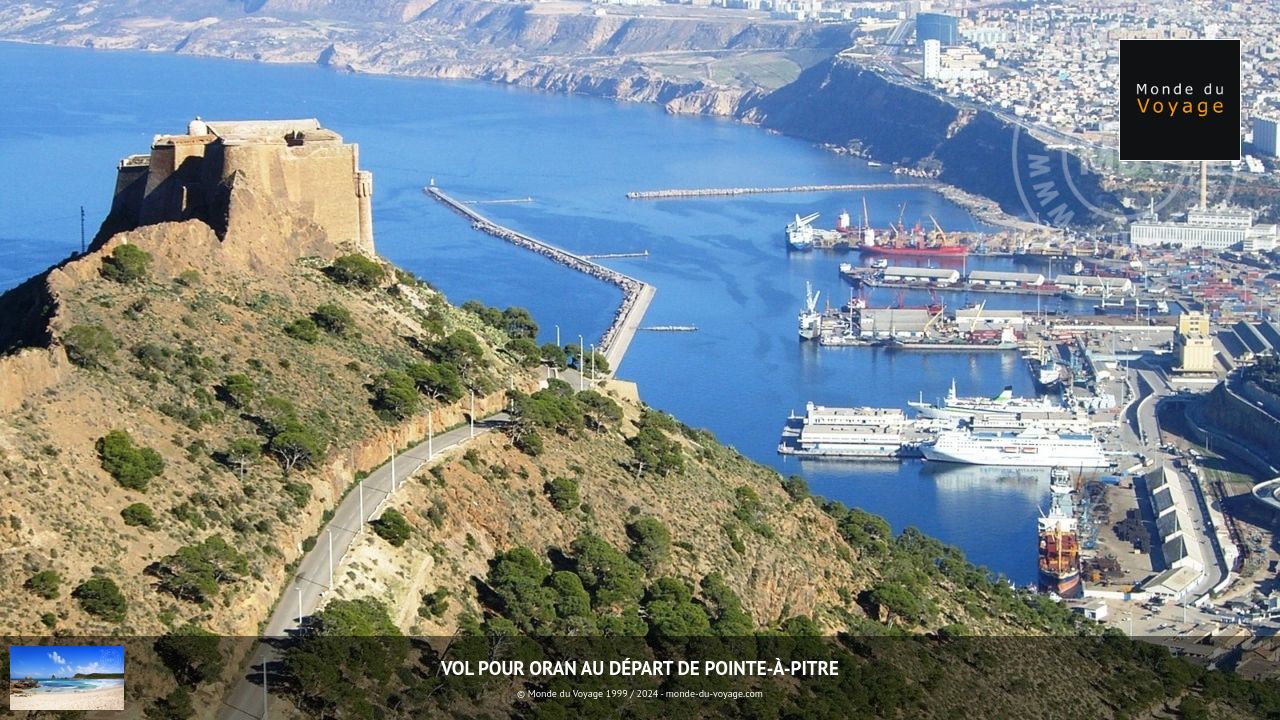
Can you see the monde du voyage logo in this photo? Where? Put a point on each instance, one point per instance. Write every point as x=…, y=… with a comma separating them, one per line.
x=1179, y=100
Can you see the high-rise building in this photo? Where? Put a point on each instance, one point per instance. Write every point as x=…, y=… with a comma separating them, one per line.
x=936, y=26
x=1194, y=344
x=1266, y=135
x=932, y=59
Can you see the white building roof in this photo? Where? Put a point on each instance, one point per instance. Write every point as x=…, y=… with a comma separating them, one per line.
x=1003, y=276
x=941, y=273
x=1093, y=281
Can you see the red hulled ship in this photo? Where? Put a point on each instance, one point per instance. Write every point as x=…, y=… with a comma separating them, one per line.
x=900, y=241
x=1059, y=541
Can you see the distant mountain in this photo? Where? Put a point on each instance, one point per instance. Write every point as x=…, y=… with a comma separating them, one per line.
x=839, y=102
x=612, y=51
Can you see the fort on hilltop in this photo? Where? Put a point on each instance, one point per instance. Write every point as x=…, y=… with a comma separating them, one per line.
x=191, y=176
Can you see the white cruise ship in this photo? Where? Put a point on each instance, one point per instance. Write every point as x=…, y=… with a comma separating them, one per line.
x=1035, y=447
x=858, y=432
x=965, y=408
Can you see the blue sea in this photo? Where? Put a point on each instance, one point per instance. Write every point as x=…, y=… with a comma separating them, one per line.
x=717, y=263
x=72, y=685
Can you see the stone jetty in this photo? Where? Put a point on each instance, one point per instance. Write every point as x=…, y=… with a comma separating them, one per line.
x=717, y=192
x=636, y=295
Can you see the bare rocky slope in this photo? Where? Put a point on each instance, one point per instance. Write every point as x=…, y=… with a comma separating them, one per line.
x=202, y=350
x=189, y=407
x=152, y=357
x=782, y=75
x=620, y=54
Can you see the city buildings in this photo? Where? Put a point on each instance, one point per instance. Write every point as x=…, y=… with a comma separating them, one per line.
x=1266, y=131
x=1055, y=64
x=932, y=59
x=1193, y=343
x=936, y=26
x=1212, y=229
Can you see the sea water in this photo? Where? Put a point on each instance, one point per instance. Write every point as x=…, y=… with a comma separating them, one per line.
x=73, y=685
x=718, y=263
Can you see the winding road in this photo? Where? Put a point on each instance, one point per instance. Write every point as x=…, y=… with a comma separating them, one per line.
x=301, y=599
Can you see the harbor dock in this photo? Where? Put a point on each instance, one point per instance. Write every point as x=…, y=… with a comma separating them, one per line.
x=507, y=201
x=721, y=192
x=601, y=256
x=636, y=295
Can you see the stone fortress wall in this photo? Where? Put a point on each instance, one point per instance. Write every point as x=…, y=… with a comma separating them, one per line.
x=190, y=176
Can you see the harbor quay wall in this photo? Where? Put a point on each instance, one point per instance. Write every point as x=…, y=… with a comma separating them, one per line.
x=635, y=293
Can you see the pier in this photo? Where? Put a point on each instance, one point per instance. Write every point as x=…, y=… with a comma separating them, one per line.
x=508, y=201
x=719, y=192
x=601, y=256
x=1047, y=291
x=636, y=295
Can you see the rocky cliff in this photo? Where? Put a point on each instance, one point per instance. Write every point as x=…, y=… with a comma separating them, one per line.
x=618, y=52
x=841, y=103
x=203, y=401
x=689, y=60
x=142, y=339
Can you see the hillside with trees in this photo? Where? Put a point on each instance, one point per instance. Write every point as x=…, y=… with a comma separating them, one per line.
x=183, y=411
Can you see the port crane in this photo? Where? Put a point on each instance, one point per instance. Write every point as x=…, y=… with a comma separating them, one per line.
x=973, y=322
x=868, y=235
x=932, y=319
x=946, y=241
x=811, y=298
x=804, y=221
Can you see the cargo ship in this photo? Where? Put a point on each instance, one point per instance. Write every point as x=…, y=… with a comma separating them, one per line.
x=800, y=232
x=1046, y=371
x=956, y=345
x=916, y=250
x=1033, y=447
x=902, y=242
x=1060, y=541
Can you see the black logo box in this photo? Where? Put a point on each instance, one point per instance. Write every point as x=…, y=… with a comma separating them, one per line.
x=1188, y=65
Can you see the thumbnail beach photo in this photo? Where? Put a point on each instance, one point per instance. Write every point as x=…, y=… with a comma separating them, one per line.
x=66, y=677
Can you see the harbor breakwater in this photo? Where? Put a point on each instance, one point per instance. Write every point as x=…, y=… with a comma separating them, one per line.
x=840, y=103
x=636, y=294
x=733, y=191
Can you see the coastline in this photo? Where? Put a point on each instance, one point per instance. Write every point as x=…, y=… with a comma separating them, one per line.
x=983, y=208
x=109, y=698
